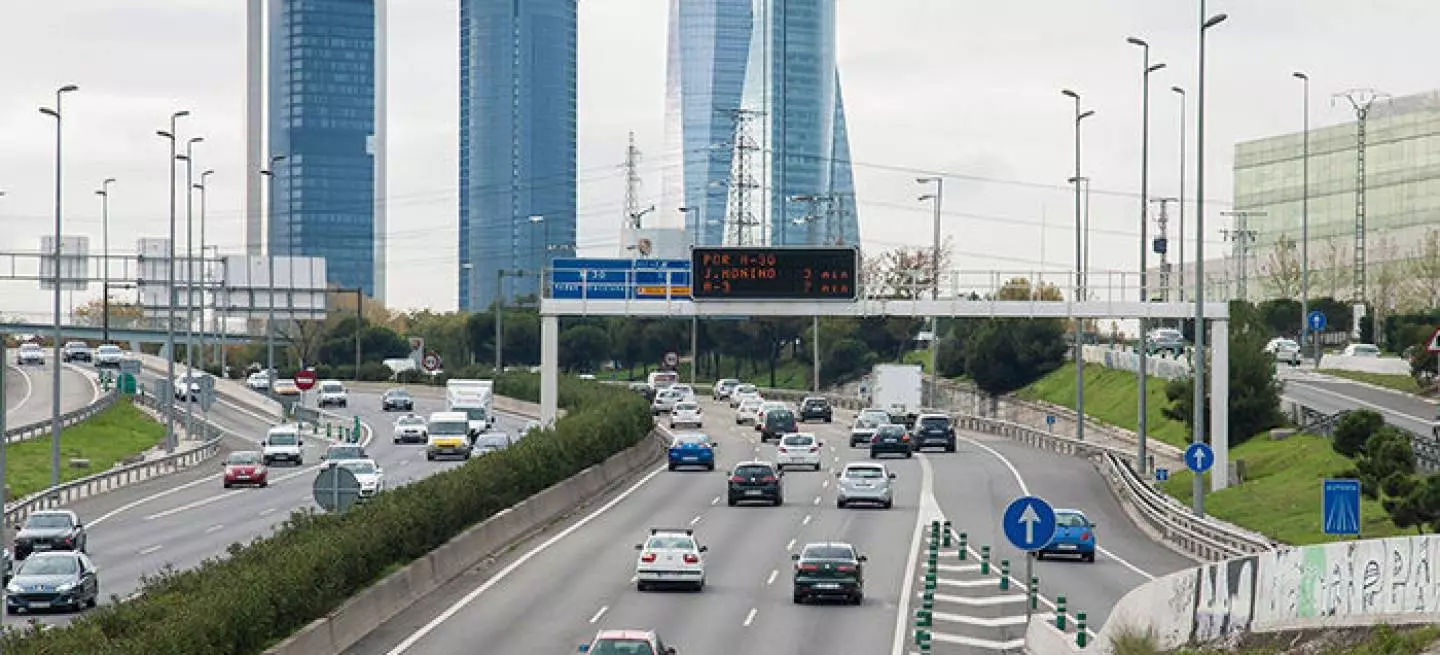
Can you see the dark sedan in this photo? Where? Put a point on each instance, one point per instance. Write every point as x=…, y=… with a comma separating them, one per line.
x=934, y=431
x=50, y=530
x=53, y=581
x=829, y=570
x=891, y=439
x=816, y=409
x=757, y=481
x=398, y=400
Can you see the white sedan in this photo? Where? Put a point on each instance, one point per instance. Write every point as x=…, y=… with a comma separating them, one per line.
x=686, y=413
x=798, y=449
x=670, y=557
x=369, y=474
x=748, y=411
x=743, y=391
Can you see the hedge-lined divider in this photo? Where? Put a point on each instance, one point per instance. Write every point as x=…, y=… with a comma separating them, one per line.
x=264, y=591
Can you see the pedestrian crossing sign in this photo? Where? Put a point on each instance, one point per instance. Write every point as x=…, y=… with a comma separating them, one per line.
x=1434, y=344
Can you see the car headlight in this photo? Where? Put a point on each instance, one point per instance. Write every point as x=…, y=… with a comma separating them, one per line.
x=13, y=588
x=65, y=588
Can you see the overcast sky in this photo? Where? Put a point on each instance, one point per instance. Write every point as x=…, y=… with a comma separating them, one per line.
x=968, y=88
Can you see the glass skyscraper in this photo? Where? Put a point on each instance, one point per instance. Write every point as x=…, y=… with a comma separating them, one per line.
x=322, y=101
x=517, y=144
x=775, y=58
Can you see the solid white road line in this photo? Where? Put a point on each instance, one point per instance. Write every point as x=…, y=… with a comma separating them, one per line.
x=979, y=601
x=715, y=500
x=599, y=613
x=267, y=511
x=188, y=506
x=771, y=580
x=929, y=507
x=151, y=549
x=29, y=389
x=970, y=584
x=987, y=644
x=454, y=609
x=958, y=568
x=750, y=618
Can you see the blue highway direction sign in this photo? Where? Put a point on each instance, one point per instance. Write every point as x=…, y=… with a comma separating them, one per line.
x=620, y=279
x=1199, y=457
x=1162, y=474
x=1340, y=507
x=1315, y=320
x=1029, y=523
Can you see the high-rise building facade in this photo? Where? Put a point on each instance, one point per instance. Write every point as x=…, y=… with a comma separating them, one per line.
x=323, y=118
x=775, y=58
x=517, y=144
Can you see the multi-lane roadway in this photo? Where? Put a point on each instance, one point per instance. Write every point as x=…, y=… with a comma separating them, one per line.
x=1331, y=394
x=553, y=595
x=27, y=391
x=183, y=519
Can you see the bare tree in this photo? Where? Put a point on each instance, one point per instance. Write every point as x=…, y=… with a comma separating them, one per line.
x=1426, y=268
x=906, y=272
x=1282, y=269
x=1385, y=279
x=1333, y=273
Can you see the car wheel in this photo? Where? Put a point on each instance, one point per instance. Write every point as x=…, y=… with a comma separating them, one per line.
x=227, y=485
x=641, y=586
x=888, y=504
x=710, y=466
x=672, y=425
x=700, y=586
x=950, y=448
x=817, y=466
x=1037, y=554
x=300, y=462
x=730, y=501
x=909, y=454
x=395, y=441
x=840, y=503
x=429, y=457
x=94, y=600
x=857, y=599
x=672, y=466
x=874, y=455
x=1090, y=557
x=798, y=598
x=827, y=419
x=779, y=501
x=264, y=484
x=267, y=461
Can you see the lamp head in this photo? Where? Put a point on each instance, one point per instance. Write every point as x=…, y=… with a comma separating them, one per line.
x=165, y=134
x=108, y=180
x=1214, y=20
x=180, y=114
x=1136, y=41
x=1085, y=115
x=50, y=112
x=1178, y=90
x=195, y=139
x=1301, y=76
x=1155, y=67
x=67, y=88
x=1069, y=93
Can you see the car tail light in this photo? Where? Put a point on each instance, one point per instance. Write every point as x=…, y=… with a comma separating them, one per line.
x=845, y=568
x=691, y=559
x=736, y=478
x=67, y=542
x=875, y=438
x=809, y=567
x=1084, y=536
x=647, y=557
x=769, y=478
x=905, y=438
x=814, y=449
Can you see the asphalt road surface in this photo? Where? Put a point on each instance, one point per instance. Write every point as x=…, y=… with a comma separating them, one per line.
x=553, y=596
x=28, y=391
x=181, y=520
x=1331, y=394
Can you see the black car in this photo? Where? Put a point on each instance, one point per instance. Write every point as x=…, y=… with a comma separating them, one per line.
x=398, y=400
x=934, y=431
x=816, y=408
x=54, y=581
x=829, y=570
x=890, y=439
x=758, y=481
x=778, y=423
x=56, y=529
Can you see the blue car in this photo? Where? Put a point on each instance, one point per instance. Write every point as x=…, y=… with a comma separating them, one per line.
x=1074, y=536
x=692, y=449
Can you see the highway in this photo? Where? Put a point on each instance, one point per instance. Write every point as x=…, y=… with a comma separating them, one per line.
x=27, y=391
x=1332, y=394
x=553, y=596
x=181, y=520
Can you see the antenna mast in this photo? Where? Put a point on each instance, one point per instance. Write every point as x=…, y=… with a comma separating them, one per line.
x=1361, y=100
x=1161, y=245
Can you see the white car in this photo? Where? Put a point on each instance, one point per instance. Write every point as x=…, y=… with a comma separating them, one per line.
x=257, y=381
x=723, y=387
x=686, y=391
x=369, y=474
x=108, y=355
x=491, y=442
x=1284, y=350
x=409, y=429
x=30, y=353
x=748, y=411
x=686, y=413
x=665, y=400
x=798, y=449
x=333, y=393
x=864, y=429
x=188, y=387
x=743, y=391
x=283, y=443
x=1361, y=350
x=864, y=482
x=670, y=557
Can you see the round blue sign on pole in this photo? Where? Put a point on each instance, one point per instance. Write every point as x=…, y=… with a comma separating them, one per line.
x=1049, y=419
x=1199, y=457
x=1316, y=320
x=1029, y=523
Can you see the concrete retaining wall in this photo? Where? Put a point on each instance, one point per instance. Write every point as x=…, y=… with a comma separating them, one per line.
x=1382, y=365
x=1341, y=584
x=1122, y=358
x=362, y=613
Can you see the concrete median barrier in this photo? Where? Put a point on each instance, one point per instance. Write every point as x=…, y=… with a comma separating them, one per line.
x=378, y=603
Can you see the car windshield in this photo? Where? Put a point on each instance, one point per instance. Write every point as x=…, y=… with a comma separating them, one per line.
x=867, y=422
x=661, y=542
x=360, y=466
x=48, y=521
x=475, y=414
x=493, y=440
x=109, y=349
x=753, y=470
x=815, y=402
x=864, y=472
x=332, y=387
x=30, y=347
x=343, y=452
x=283, y=439
x=621, y=647
x=448, y=428
x=243, y=459
x=412, y=420
x=51, y=565
x=1071, y=520
x=828, y=552
x=798, y=440
x=935, y=422
x=891, y=430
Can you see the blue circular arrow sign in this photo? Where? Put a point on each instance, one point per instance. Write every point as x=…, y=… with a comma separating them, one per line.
x=1316, y=320
x=1199, y=457
x=1029, y=523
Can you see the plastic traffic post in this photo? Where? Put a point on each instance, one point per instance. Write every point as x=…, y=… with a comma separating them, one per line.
x=984, y=560
x=922, y=618
x=355, y=432
x=329, y=431
x=946, y=534
x=1060, y=613
x=935, y=528
x=963, y=539
x=927, y=602
x=1080, y=629
x=922, y=637
x=1004, y=574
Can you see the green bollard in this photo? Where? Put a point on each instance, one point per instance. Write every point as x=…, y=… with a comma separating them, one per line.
x=1004, y=575
x=922, y=618
x=946, y=534
x=984, y=560
x=963, y=546
x=927, y=602
x=1034, y=593
x=1060, y=613
x=935, y=528
x=921, y=637
x=1080, y=636
x=329, y=431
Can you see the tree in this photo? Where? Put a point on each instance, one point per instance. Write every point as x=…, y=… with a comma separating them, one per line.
x=583, y=348
x=1353, y=431
x=1254, y=390
x=1282, y=270
x=906, y=271
x=1385, y=279
x=1281, y=315
x=1006, y=354
x=1333, y=273
x=1426, y=267
x=122, y=314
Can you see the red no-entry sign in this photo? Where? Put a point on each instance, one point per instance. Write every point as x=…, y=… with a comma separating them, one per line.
x=305, y=380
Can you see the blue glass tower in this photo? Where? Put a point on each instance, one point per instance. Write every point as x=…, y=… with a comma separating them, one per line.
x=322, y=118
x=517, y=144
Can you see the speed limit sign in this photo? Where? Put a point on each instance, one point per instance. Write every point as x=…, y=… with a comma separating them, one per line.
x=672, y=359
x=431, y=362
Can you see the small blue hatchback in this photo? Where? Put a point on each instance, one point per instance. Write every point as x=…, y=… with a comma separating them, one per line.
x=1074, y=536
x=692, y=449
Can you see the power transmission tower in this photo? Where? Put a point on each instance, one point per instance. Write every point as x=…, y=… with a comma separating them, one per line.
x=840, y=208
x=1242, y=236
x=1361, y=100
x=1162, y=244
x=631, y=221
x=742, y=183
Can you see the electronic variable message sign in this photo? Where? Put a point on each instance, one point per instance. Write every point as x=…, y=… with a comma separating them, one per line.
x=802, y=273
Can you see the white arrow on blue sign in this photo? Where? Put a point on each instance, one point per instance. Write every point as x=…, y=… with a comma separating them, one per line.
x=1199, y=457
x=1049, y=419
x=1316, y=320
x=1029, y=523
x=1162, y=474
x=1340, y=507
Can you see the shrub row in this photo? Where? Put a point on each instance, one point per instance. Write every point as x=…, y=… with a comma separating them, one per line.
x=267, y=589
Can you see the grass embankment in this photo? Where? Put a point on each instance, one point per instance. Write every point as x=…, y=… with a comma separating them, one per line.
x=1281, y=495
x=112, y=435
x=1403, y=383
x=1381, y=640
x=1110, y=397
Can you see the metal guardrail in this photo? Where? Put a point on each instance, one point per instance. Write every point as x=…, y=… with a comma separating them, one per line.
x=41, y=428
x=92, y=485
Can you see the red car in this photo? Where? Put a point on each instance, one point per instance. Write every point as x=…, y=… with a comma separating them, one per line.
x=246, y=467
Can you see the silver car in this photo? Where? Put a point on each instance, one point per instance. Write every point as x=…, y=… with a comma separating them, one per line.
x=865, y=482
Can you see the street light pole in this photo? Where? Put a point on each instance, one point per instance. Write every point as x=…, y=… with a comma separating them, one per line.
x=104, y=193
x=1181, y=92
x=270, y=373
x=1198, y=435
x=1305, y=224
x=189, y=158
x=200, y=186
x=938, y=198
x=55, y=383
x=1142, y=373
x=1079, y=274
x=171, y=443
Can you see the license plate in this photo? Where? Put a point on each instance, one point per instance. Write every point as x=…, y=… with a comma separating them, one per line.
x=890, y=440
x=753, y=492
x=242, y=477
x=1067, y=546
x=827, y=585
x=42, y=546
x=864, y=485
x=40, y=604
x=691, y=459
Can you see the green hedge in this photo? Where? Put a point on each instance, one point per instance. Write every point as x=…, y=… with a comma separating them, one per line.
x=268, y=589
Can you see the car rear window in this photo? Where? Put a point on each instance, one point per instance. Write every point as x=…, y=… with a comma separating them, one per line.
x=689, y=439
x=891, y=430
x=621, y=647
x=658, y=543
x=687, y=407
x=864, y=472
x=935, y=422
x=779, y=416
x=828, y=552
x=753, y=469
x=1070, y=520
x=815, y=402
x=799, y=440
x=282, y=439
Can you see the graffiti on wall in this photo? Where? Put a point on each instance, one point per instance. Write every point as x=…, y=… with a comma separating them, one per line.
x=1225, y=598
x=1337, y=580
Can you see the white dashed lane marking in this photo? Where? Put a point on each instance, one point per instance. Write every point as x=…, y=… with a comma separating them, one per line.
x=599, y=613
x=151, y=549
x=750, y=618
x=771, y=580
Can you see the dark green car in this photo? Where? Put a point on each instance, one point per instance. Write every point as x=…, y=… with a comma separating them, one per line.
x=829, y=570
